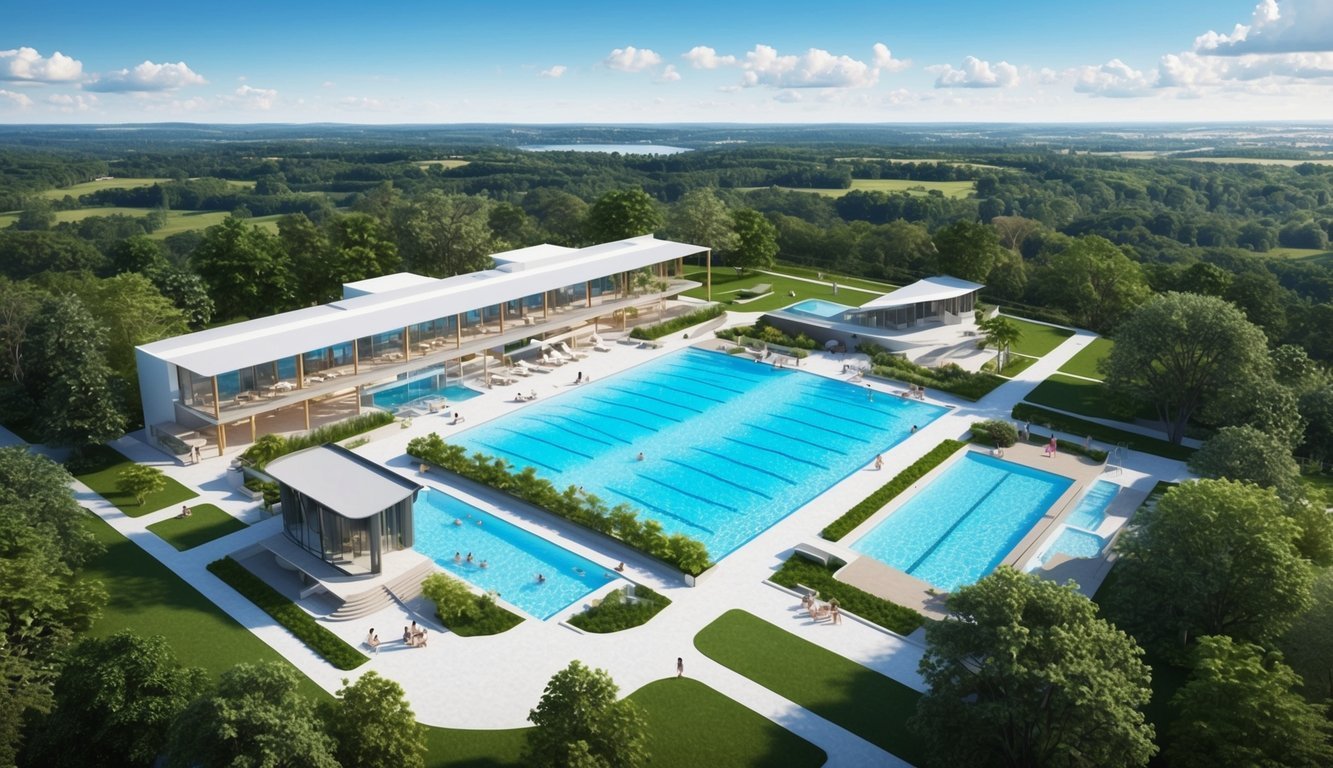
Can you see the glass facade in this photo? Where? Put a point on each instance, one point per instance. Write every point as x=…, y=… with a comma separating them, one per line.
x=353, y=545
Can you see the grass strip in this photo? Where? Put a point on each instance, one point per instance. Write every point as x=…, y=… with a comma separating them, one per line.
x=332, y=648
x=1037, y=339
x=1085, y=362
x=1110, y=435
x=100, y=468
x=868, y=704
x=886, y=613
x=615, y=613
x=885, y=493
x=205, y=523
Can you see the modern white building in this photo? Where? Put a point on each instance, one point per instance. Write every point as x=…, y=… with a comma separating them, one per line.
x=224, y=387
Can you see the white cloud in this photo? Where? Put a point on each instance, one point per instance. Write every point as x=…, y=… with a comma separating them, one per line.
x=81, y=102
x=816, y=68
x=11, y=99
x=669, y=75
x=1114, y=79
x=365, y=103
x=884, y=59
x=327, y=84
x=27, y=65
x=1293, y=26
x=975, y=73
x=631, y=59
x=703, y=57
x=147, y=77
x=256, y=98
x=554, y=71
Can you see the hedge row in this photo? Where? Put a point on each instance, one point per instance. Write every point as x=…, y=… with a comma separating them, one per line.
x=983, y=433
x=901, y=482
x=621, y=521
x=949, y=377
x=615, y=613
x=1100, y=432
x=887, y=614
x=768, y=334
x=271, y=446
x=301, y=624
x=677, y=323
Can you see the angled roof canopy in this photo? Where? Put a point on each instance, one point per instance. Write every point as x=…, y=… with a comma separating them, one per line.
x=936, y=288
x=342, y=481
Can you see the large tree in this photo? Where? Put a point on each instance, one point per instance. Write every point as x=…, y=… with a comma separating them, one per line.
x=256, y=717
x=966, y=249
x=442, y=235
x=1239, y=708
x=1308, y=644
x=374, y=725
x=699, y=217
x=114, y=702
x=245, y=268
x=756, y=241
x=307, y=249
x=1179, y=351
x=580, y=721
x=1247, y=454
x=1023, y=672
x=622, y=213
x=1094, y=281
x=1213, y=557
x=560, y=213
x=76, y=405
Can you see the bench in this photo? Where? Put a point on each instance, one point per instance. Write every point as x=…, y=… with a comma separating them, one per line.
x=754, y=291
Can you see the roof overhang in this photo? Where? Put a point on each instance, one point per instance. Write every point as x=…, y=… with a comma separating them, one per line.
x=342, y=481
x=937, y=288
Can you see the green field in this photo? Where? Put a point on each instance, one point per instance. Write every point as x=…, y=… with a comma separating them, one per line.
x=1037, y=339
x=446, y=164
x=1085, y=362
x=1316, y=255
x=1260, y=160
x=106, y=474
x=89, y=187
x=878, y=286
x=177, y=221
x=837, y=689
x=205, y=523
x=951, y=189
x=726, y=285
x=1075, y=395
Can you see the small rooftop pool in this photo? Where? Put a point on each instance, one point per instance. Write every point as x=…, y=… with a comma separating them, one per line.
x=818, y=308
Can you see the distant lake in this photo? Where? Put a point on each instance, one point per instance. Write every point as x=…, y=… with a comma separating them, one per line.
x=624, y=149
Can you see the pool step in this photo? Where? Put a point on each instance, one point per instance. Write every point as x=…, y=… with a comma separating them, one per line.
x=402, y=589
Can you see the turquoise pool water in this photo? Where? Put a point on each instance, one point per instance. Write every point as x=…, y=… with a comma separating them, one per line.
x=1091, y=511
x=513, y=556
x=420, y=385
x=958, y=528
x=1075, y=543
x=730, y=446
x=818, y=308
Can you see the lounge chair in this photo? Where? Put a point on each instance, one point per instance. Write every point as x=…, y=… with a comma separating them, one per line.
x=552, y=360
x=598, y=345
x=572, y=353
x=519, y=371
x=530, y=368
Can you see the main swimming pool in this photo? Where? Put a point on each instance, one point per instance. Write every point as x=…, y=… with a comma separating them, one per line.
x=961, y=525
x=513, y=556
x=729, y=446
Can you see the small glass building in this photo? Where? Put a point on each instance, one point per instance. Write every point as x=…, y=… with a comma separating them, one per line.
x=342, y=508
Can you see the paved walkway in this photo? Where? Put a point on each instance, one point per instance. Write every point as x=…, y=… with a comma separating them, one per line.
x=492, y=682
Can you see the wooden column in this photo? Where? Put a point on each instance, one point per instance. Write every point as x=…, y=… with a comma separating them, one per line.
x=300, y=373
x=407, y=342
x=503, y=310
x=458, y=331
x=587, y=293
x=222, y=438
x=217, y=404
x=253, y=430
x=546, y=305
x=708, y=272
x=306, y=403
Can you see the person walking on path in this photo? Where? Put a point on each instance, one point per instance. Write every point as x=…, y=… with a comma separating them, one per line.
x=680, y=666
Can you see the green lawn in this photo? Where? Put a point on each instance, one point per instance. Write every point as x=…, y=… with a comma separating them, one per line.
x=812, y=273
x=1107, y=436
x=88, y=187
x=1088, y=398
x=950, y=189
x=1085, y=362
x=726, y=284
x=205, y=523
x=109, y=464
x=1037, y=339
x=1017, y=364
x=864, y=702
x=177, y=221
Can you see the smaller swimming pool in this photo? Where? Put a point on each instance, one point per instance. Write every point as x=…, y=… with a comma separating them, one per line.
x=1091, y=511
x=419, y=385
x=1074, y=543
x=818, y=308
x=512, y=555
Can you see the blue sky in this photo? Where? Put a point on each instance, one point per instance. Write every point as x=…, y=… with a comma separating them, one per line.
x=686, y=61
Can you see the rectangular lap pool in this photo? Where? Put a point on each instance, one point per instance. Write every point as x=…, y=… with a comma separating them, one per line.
x=512, y=555
x=729, y=446
x=958, y=528
x=818, y=308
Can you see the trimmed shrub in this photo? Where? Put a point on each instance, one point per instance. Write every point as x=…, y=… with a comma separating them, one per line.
x=1000, y=432
x=887, y=614
x=270, y=447
x=616, y=612
x=649, y=332
x=901, y=482
x=768, y=334
x=621, y=521
x=301, y=624
x=949, y=378
x=464, y=613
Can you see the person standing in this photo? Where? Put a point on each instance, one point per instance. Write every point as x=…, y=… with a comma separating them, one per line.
x=680, y=666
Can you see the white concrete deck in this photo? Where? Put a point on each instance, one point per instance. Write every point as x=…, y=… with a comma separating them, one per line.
x=492, y=682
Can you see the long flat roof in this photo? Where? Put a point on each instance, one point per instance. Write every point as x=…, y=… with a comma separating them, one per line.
x=936, y=288
x=219, y=350
x=342, y=481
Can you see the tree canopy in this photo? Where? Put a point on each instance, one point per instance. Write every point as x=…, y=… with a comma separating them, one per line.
x=1213, y=557
x=1023, y=672
x=579, y=721
x=1179, y=351
x=620, y=214
x=756, y=241
x=1246, y=454
x=374, y=725
x=1093, y=281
